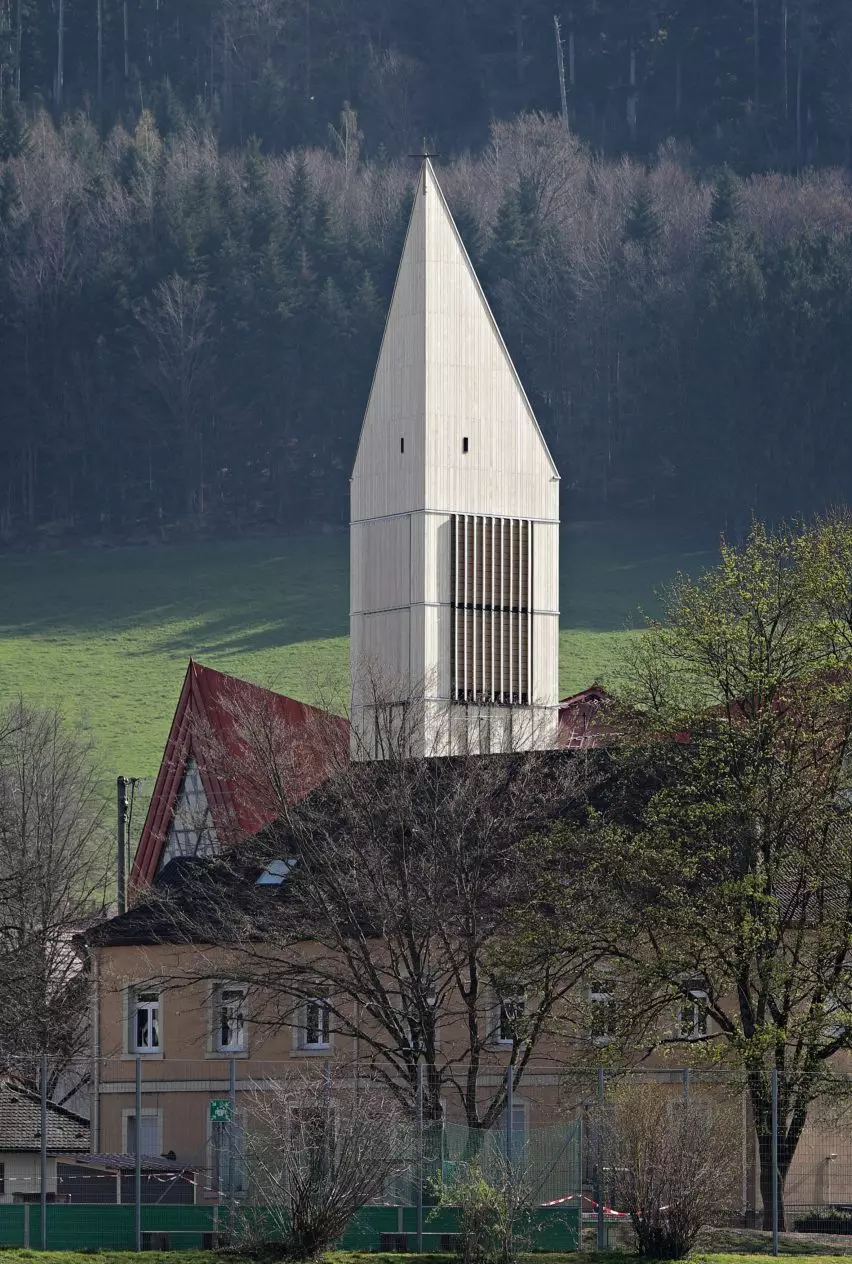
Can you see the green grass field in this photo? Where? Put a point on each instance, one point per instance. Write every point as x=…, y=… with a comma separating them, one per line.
x=106, y=633
x=356, y=1257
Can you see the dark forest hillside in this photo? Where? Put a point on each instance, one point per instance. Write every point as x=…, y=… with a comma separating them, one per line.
x=757, y=83
x=199, y=228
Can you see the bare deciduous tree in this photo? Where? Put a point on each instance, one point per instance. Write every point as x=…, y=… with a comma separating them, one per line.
x=53, y=882
x=410, y=888
x=178, y=321
x=319, y=1147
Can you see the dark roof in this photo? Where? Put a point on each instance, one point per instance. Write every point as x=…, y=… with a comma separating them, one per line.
x=171, y=914
x=216, y=900
x=20, y=1122
x=127, y=1163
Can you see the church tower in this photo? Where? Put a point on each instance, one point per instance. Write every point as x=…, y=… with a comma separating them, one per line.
x=454, y=522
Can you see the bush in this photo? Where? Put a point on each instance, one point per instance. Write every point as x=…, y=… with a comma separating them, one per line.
x=491, y=1214
x=318, y=1149
x=673, y=1164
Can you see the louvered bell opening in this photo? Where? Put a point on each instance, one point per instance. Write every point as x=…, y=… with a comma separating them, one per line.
x=491, y=642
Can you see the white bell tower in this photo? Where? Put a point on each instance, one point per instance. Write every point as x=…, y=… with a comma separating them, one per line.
x=454, y=522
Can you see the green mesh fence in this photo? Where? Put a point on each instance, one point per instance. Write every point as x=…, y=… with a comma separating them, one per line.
x=547, y=1162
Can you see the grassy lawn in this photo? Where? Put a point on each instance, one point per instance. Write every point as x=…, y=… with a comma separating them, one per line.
x=355, y=1257
x=107, y=633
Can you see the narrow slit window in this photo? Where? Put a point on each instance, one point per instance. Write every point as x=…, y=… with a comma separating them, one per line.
x=402, y=444
x=464, y=444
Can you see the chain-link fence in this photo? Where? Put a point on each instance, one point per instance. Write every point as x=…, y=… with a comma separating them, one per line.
x=164, y=1145
x=137, y=1148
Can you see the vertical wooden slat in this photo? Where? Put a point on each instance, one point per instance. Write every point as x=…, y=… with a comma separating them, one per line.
x=529, y=613
x=511, y=604
x=519, y=647
x=466, y=550
x=483, y=616
x=473, y=647
x=456, y=584
x=502, y=578
x=493, y=615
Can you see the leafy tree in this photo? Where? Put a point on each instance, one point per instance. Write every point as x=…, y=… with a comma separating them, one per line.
x=728, y=836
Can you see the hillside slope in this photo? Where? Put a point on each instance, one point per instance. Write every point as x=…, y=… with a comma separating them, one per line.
x=107, y=634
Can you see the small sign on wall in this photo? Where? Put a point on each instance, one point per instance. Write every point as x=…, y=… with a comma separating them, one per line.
x=220, y=1110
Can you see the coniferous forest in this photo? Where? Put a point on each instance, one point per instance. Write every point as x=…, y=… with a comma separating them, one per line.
x=202, y=208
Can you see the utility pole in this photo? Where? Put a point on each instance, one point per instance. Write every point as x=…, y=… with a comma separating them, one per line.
x=124, y=808
x=560, y=66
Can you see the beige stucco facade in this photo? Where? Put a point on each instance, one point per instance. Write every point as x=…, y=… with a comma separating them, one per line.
x=187, y=1072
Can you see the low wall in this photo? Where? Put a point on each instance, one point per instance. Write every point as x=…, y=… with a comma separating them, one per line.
x=106, y=1226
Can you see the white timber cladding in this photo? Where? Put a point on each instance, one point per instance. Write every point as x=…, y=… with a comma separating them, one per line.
x=454, y=511
x=492, y=641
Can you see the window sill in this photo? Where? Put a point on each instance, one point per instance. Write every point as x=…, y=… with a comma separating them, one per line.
x=312, y=1051
x=147, y=1055
x=226, y=1054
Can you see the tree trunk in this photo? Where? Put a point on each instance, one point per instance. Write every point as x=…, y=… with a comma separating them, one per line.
x=764, y=1140
x=100, y=16
x=19, y=43
x=799, y=72
x=60, y=53
x=756, y=36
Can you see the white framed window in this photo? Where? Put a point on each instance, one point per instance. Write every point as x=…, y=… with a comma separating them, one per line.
x=145, y=1027
x=316, y=1023
x=693, y=1015
x=230, y=1020
x=149, y=1136
x=601, y=1011
x=509, y=1019
x=191, y=831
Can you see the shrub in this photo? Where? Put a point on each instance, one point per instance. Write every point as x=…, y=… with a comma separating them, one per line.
x=492, y=1213
x=672, y=1164
x=318, y=1149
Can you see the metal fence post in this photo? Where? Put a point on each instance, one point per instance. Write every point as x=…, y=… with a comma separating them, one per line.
x=137, y=1170
x=599, y=1192
x=686, y=1084
x=232, y=1142
x=510, y=1112
x=774, y=1161
x=579, y=1183
x=43, y=1153
x=419, y=1191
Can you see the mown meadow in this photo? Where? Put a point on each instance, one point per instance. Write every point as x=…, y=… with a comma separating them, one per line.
x=106, y=633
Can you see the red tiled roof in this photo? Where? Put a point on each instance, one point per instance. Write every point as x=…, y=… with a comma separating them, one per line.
x=583, y=720
x=208, y=702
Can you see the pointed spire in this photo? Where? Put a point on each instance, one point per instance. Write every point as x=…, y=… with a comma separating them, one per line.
x=443, y=367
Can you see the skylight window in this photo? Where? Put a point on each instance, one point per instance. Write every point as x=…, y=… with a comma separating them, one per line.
x=275, y=873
